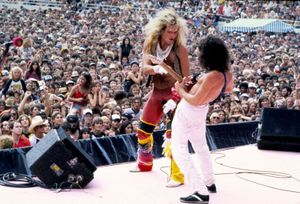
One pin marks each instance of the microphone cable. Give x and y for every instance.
(245, 171)
(17, 180)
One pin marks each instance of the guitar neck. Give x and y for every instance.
(170, 71)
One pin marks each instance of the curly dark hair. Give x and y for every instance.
(38, 70)
(214, 54)
(88, 84)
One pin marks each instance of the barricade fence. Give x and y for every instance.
(123, 148)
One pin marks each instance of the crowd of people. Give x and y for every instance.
(82, 70)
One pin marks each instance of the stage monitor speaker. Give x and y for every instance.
(57, 159)
(280, 130)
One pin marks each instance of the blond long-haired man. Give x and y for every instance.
(164, 39)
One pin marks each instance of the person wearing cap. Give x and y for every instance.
(87, 118)
(126, 117)
(214, 118)
(244, 97)
(70, 84)
(74, 75)
(134, 76)
(37, 129)
(252, 90)
(165, 41)
(235, 92)
(113, 67)
(72, 126)
(47, 78)
(5, 73)
(115, 125)
(92, 65)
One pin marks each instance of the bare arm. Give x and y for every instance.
(206, 89)
(138, 79)
(48, 104)
(23, 102)
(149, 62)
(147, 66)
(184, 61)
(93, 99)
(230, 84)
(101, 97)
(70, 96)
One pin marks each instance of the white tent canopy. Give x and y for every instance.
(253, 25)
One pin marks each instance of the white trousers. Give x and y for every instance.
(189, 124)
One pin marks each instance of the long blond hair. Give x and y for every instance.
(13, 69)
(156, 26)
(27, 43)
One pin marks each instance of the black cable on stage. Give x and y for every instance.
(274, 174)
(16, 180)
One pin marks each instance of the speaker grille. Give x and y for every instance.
(54, 162)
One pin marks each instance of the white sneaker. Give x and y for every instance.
(173, 184)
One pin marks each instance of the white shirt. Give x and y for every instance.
(33, 139)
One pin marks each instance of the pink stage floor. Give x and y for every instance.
(116, 185)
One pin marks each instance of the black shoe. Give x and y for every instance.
(212, 188)
(195, 198)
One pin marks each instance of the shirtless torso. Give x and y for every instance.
(165, 80)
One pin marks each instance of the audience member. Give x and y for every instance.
(57, 53)
(37, 129)
(19, 139)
